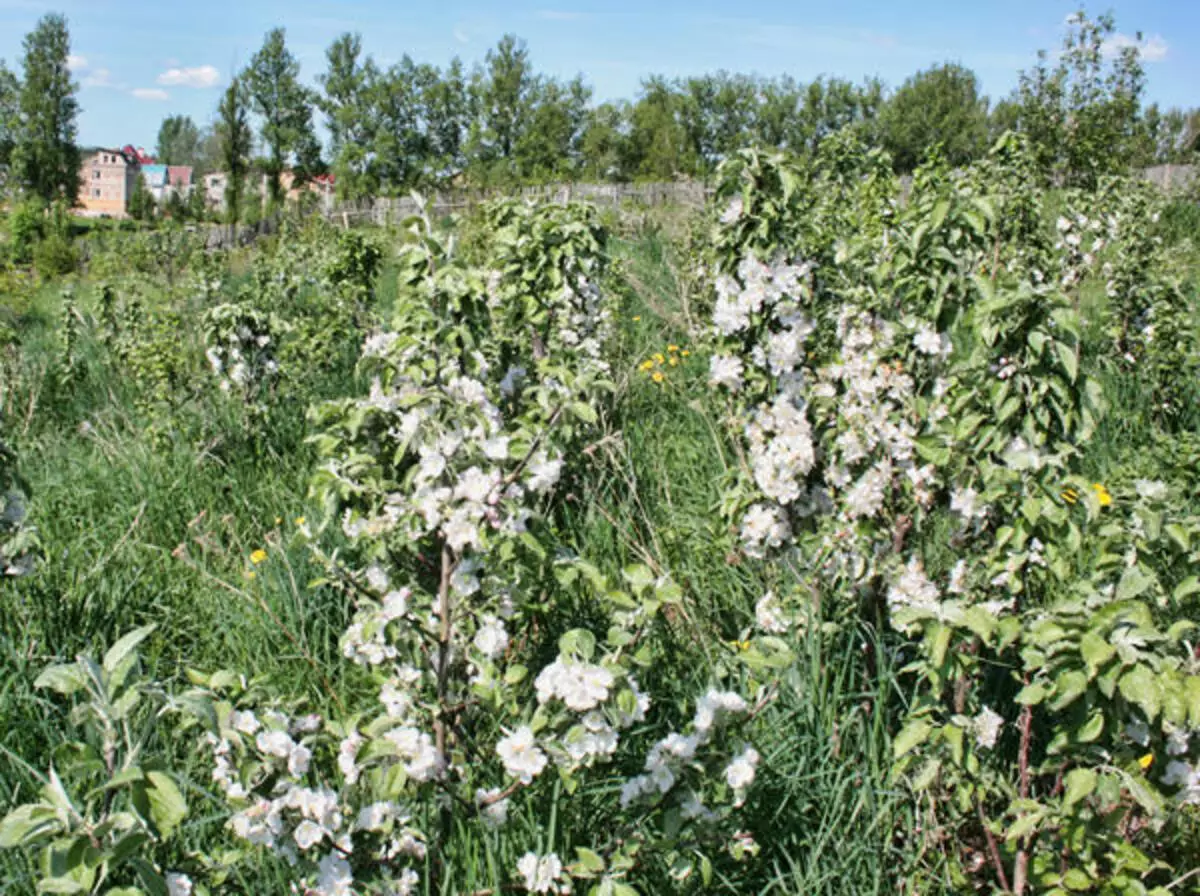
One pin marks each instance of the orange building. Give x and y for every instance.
(107, 178)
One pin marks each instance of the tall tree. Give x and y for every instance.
(10, 107)
(1082, 115)
(284, 106)
(235, 139)
(503, 93)
(178, 141)
(604, 145)
(45, 158)
(659, 143)
(346, 102)
(939, 107)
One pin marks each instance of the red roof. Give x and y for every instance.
(137, 153)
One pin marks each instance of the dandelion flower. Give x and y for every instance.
(258, 556)
(657, 376)
(1102, 495)
(672, 348)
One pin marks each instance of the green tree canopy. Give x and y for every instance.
(45, 157)
(234, 138)
(284, 107)
(938, 107)
(178, 141)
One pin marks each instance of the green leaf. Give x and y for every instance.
(1078, 785)
(1133, 583)
(1186, 588)
(584, 412)
(911, 736)
(1033, 694)
(66, 679)
(1069, 358)
(27, 824)
(1068, 687)
(167, 806)
(1096, 652)
(1077, 880)
(125, 646)
(1140, 687)
(590, 861)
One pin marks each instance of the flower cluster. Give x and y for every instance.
(242, 346)
(657, 366)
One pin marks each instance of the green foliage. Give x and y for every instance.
(235, 139)
(103, 807)
(142, 206)
(26, 225)
(941, 108)
(178, 141)
(1081, 116)
(284, 108)
(45, 155)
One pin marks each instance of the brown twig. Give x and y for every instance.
(993, 848)
(1021, 866)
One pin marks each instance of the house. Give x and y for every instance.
(179, 180)
(155, 178)
(322, 185)
(164, 180)
(214, 189)
(107, 179)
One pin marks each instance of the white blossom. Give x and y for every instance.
(522, 757)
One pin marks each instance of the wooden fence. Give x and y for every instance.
(384, 211)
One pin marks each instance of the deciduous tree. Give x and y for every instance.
(940, 107)
(45, 157)
(235, 138)
(284, 107)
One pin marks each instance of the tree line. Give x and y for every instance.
(416, 125)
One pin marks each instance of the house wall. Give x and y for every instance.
(106, 181)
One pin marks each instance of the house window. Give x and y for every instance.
(95, 174)
(96, 193)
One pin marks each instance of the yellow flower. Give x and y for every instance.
(646, 365)
(278, 520)
(674, 362)
(672, 348)
(660, 359)
(637, 317)
(258, 556)
(657, 376)
(1102, 494)
(685, 353)
(299, 521)
(740, 645)
(1146, 761)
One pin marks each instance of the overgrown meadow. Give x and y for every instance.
(839, 539)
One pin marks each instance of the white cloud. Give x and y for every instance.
(199, 76)
(1150, 49)
(461, 36)
(100, 77)
(150, 93)
(77, 63)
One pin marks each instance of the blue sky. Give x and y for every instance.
(139, 62)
